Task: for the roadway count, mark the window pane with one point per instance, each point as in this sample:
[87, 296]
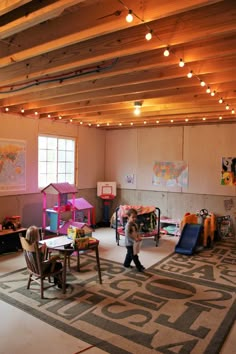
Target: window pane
[70, 156]
[70, 178]
[51, 167]
[61, 167]
[42, 142]
[42, 180]
[52, 143]
[62, 155]
[51, 155]
[42, 155]
[69, 167]
[61, 144]
[70, 145]
[42, 167]
[62, 177]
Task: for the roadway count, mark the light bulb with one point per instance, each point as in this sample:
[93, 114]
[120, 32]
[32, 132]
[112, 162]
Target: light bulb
[181, 63]
[36, 113]
[166, 52]
[131, 123]
[190, 74]
[137, 111]
[60, 117]
[220, 117]
[22, 110]
[186, 120]
[227, 107]
[233, 111]
[171, 121]
[89, 124]
[71, 120]
[120, 124]
[202, 83]
[98, 125]
[157, 121]
[149, 36]
[208, 90]
[6, 109]
[129, 17]
[221, 100]
[213, 93]
[49, 115]
[145, 122]
[108, 124]
[203, 118]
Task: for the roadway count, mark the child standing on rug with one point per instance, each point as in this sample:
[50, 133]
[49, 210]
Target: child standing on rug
[132, 236]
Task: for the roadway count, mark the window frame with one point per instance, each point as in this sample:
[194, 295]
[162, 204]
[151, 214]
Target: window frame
[57, 137]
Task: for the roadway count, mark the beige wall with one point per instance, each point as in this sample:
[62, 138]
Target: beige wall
[111, 155]
[134, 151]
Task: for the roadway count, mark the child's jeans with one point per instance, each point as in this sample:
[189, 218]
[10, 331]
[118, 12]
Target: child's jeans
[131, 257]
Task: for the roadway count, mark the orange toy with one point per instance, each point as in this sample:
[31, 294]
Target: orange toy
[208, 221]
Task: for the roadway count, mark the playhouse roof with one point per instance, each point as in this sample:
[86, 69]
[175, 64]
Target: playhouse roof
[80, 204]
[60, 188]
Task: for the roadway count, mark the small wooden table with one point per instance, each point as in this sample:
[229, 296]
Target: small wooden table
[10, 241]
[62, 243]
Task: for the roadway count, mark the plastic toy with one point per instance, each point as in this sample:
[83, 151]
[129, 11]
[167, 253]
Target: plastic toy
[196, 232]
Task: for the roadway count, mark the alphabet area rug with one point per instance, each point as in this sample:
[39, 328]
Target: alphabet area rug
[182, 304]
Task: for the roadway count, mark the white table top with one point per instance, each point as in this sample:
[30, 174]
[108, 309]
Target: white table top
[57, 241]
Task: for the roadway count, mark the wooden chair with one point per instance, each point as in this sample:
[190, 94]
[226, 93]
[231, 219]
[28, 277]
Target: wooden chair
[35, 266]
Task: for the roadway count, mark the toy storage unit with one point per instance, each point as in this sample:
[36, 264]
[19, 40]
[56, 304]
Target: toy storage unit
[148, 217]
[84, 211]
[62, 209]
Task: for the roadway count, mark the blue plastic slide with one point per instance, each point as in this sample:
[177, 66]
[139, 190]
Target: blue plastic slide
[189, 239]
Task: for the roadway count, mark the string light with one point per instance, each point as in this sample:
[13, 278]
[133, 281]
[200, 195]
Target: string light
[7, 109]
[220, 117]
[145, 122]
[233, 111]
[129, 17]
[190, 74]
[157, 121]
[49, 115]
[172, 121]
[22, 110]
[132, 123]
[166, 52]
[35, 113]
[60, 117]
[98, 125]
[71, 120]
[108, 124]
[149, 36]
[181, 63]
[89, 124]
[186, 120]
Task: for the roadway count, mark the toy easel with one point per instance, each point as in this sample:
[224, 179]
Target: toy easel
[107, 192]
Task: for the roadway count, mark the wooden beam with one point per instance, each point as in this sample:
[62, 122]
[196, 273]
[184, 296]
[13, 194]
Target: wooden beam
[107, 25]
[36, 17]
[9, 5]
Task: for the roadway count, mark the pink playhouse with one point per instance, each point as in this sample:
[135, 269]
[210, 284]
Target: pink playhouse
[65, 212]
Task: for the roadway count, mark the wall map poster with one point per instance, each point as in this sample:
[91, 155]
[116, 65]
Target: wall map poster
[228, 171]
[170, 174]
[12, 165]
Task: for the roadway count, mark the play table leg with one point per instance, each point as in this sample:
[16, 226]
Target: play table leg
[98, 265]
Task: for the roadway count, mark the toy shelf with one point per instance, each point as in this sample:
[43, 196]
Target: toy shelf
[166, 222]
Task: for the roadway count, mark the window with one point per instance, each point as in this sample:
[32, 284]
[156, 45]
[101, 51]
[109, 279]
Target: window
[56, 160]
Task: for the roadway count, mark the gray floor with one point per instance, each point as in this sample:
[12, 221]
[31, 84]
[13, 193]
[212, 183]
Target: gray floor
[24, 334]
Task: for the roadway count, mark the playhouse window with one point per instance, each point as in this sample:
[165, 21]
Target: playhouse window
[56, 160]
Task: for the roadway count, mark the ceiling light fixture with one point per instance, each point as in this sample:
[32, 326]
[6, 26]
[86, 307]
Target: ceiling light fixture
[190, 74]
[129, 17]
[149, 35]
[166, 52]
[137, 107]
[181, 63]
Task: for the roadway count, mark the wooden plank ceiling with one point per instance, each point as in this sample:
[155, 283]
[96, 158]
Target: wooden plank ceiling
[81, 62]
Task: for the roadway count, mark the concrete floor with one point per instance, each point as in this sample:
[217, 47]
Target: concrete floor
[22, 333]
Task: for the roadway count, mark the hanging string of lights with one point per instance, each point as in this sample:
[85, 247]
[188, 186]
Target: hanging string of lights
[151, 33]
